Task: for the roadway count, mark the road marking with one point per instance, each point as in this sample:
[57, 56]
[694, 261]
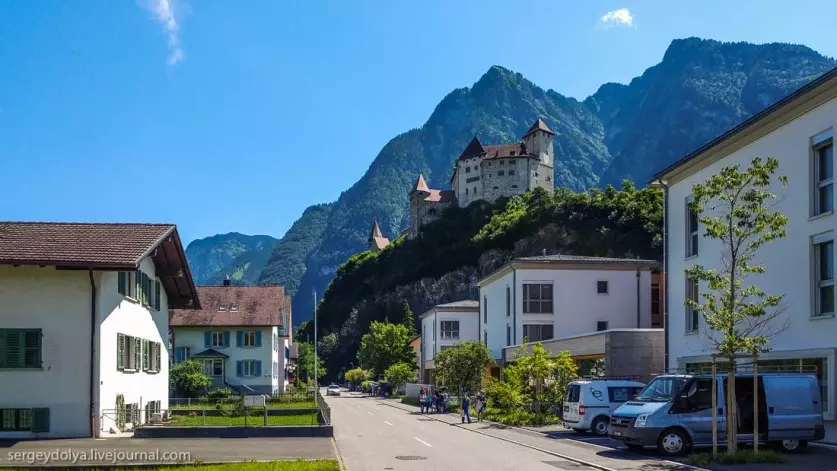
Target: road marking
[369, 413]
[388, 423]
[422, 441]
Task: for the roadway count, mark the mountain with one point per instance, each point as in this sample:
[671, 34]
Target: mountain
[699, 89]
[240, 256]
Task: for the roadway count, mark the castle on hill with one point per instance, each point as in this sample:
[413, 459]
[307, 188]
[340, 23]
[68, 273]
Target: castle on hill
[482, 173]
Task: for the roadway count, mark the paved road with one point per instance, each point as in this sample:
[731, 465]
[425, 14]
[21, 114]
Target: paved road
[374, 436]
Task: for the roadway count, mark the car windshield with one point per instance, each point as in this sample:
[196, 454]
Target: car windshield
[333, 386]
[661, 389]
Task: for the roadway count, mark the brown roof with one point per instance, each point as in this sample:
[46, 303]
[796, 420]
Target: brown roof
[102, 246]
[440, 196]
[420, 185]
[257, 306]
[506, 150]
[473, 149]
[538, 126]
[379, 242]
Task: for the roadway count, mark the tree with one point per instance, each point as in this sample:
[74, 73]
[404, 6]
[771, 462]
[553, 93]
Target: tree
[541, 379]
[188, 378]
[400, 373]
[735, 208]
[305, 368]
[461, 367]
[358, 375]
[402, 314]
[385, 345]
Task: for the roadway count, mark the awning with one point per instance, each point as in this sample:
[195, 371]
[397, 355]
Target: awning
[209, 353]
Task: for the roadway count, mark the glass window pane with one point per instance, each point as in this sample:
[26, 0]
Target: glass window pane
[826, 198]
[546, 307]
[826, 299]
[547, 332]
[826, 253]
[693, 221]
[546, 291]
[825, 162]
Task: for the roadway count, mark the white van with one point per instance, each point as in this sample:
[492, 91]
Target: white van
[588, 404]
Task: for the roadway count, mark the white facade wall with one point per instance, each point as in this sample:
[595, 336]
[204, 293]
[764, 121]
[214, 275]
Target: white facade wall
[577, 307]
[120, 315]
[58, 302]
[433, 342]
[267, 353]
[474, 188]
[789, 261]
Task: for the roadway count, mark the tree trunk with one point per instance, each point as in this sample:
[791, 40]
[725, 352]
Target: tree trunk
[732, 411]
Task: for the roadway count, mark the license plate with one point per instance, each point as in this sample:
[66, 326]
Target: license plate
[617, 434]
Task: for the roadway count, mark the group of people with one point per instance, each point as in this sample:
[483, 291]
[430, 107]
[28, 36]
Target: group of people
[430, 401]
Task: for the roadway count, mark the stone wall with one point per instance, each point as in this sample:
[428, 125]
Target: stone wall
[505, 177]
[635, 353]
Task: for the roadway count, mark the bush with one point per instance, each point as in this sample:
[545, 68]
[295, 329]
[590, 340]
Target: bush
[739, 457]
[220, 393]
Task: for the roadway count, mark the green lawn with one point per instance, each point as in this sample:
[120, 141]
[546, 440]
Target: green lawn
[309, 418]
[320, 465]
[270, 405]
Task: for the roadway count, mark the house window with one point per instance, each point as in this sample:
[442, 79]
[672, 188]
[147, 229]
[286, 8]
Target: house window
[601, 287]
[501, 173]
[250, 368]
[20, 348]
[692, 315]
[128, 353]
[485, 310]
[217, 339]
[508, 301]
[222, 308]
[275, 369]
[213, 367]
[485, 337]
[691, 229]
[537, 332]
[15, 420]
[233, 307]
[508, 335]
[537, 298]
[824, 276]
[248, 339]
[181, 354]
[655, 298]
[450, 330]
[601, 325]
[823, 147]
[511, 173]
[445, 347]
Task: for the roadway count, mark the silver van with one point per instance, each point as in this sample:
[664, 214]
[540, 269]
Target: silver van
[674, 412]
[588, 404]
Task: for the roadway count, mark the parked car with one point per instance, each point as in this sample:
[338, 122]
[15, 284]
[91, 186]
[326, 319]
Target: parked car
[588, 404]
[333, 390]
[674, 412]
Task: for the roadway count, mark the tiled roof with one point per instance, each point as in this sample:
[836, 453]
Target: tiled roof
[473, 149]
[539, 125]
[79, 244]
[505, 150]
[257, 306]
[421, 184]
[468, 303]
[379, 242]
[440, 196]
[563, 258]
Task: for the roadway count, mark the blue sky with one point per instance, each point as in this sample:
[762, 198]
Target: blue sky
[234, 116]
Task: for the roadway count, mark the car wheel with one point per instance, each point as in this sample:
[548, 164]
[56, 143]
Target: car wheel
[673, 442]
[791, 446]
[600, 426]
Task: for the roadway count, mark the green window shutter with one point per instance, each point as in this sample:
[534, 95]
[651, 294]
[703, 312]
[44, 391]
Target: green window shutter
[157, 295]
[121, 282]
[120, 352]
[145, 355]
[137, 353]
[13, 354]
[32, 348]
[2, 348]
[137, 285]
[147, 290]
[40, 419]
[157, 355]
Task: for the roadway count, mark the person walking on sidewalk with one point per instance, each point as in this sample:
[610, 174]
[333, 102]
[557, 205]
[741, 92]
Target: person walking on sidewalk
[422, 400]
[479, 406]
[465, 408]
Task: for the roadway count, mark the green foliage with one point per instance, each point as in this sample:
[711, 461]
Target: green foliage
[734, 207]
[385, 345]
[461, 367]
[305, 363]
[358, 375]
[400, 373]
[188, 378]
[220, 393]
[705, 460]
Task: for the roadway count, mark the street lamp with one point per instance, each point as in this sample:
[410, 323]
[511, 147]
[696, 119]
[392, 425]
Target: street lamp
[316, 380]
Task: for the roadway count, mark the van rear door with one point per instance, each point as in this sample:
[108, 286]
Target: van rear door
[571, 399]
[794, 407]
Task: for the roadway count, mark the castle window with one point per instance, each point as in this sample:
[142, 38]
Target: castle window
[548, 178]
[431, 212]
[512, 162]
[511, 153]
[475, 190]
[514, 186]
[511, 172]
[496, 187]
[466, 192]
[501, 173]
[502, 162]
[467, 169]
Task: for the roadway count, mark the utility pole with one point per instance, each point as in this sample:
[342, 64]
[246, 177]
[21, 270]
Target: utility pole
[316, 380]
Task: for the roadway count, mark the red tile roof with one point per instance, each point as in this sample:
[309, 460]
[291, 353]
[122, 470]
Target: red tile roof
[505, 151]
[538, 126]
[261, 306]
[473, 149]
[79, 244]
[421, 184]
[441, 196]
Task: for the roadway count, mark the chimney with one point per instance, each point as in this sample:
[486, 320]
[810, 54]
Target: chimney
[227, 281]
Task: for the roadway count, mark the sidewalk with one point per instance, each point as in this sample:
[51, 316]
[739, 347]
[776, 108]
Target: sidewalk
[598, 457]
[830, 433]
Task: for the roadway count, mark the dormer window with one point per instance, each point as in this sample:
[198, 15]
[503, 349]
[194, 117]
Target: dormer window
[222, 308]
[233, 307]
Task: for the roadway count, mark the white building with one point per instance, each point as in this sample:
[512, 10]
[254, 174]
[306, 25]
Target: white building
[84, 324]
[799, 132]
[558, 296]
[242, 335]
[444, 326]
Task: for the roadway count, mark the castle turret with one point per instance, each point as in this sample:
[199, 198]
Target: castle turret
[377, 241]
[538, 141]
[420, 186]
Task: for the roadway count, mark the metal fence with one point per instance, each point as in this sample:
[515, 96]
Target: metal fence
[325, 410]
[299, 399]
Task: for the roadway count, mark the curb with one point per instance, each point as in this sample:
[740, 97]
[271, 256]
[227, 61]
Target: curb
[337, 455]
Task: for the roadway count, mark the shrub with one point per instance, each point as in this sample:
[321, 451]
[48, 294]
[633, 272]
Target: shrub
[220, 393]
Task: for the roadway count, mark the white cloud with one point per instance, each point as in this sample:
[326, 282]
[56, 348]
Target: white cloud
[620, 17]
[164, 14]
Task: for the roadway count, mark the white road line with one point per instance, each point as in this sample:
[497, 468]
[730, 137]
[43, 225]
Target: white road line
[388, 423]
[422, 441]
[369, 413]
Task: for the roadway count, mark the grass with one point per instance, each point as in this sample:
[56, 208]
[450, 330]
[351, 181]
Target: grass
[309, 418]
[229, 405]
[299, 465]
[740, 457]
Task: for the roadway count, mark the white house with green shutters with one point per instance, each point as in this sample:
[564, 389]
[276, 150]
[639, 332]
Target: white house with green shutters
[84, 324]
[241, 336]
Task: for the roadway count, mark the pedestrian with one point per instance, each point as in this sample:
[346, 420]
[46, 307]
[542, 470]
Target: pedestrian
[422, 400]
[482, 402]
[465, 408]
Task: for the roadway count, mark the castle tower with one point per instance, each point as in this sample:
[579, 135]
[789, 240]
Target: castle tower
[419, 192]
[376, 240]
[538, 140]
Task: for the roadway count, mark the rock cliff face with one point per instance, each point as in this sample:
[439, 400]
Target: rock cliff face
[699, 89]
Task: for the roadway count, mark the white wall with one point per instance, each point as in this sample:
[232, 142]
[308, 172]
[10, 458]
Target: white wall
[193, 337]
[788, 261]
[468, 330]
[120, 315]
[58, 302]
[576, 305]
